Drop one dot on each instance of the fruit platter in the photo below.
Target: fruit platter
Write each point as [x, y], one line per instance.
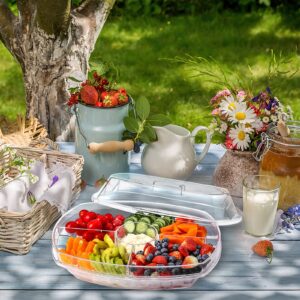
[137, 251]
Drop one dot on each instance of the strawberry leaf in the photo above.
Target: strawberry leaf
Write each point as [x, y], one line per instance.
[142, 107]
[131, 124]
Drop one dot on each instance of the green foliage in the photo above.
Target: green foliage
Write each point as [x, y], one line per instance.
[139, 125]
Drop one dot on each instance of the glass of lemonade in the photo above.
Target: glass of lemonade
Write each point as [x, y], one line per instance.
[260, 201]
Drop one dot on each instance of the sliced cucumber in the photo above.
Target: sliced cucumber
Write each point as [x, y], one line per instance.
[152, 217]
[145, 219]
[141, 227]
[129, 226]
[168, 220]
[132, 218]
[156, 226]
[160, 222]
[151, 232]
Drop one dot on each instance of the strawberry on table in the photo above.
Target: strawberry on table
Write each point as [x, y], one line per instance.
[264, 248]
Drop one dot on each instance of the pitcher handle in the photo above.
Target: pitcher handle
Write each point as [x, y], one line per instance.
[208, 141]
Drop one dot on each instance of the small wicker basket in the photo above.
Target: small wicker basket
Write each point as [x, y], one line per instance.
[19, 231]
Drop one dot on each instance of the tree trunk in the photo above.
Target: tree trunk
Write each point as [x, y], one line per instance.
[52, 42]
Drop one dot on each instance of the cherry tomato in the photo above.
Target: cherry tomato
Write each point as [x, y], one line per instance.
[112, 235]
[99, 235]
[82, 213]
[120, 217]
[94, 224]
[71, 227]
[109, 226]
[117, 222]
[102, 219]
[109, 217]
[89, 217]
[80, 223]
[88, 235]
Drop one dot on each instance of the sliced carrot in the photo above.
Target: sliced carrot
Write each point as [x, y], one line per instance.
[70, 243]
[76, 244]
[199, 240]
[167, 228]
[89, 248]
[82, 246]
[185, 227]
[192, 231]
[202, 232]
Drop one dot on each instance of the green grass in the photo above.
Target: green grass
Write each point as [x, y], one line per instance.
[137, 45]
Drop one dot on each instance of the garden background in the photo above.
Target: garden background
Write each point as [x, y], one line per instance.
[141, 36]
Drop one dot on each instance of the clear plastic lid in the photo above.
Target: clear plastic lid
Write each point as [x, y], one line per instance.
[142, 193]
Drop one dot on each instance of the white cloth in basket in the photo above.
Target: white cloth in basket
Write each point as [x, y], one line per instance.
[14, 195]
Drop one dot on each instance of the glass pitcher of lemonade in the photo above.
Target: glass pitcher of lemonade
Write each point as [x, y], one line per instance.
[280, 157]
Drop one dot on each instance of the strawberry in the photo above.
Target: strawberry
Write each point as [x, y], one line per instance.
[89, 95]
[206, 249]
[190, 244]
[176, 254]
[152, 265]
[110, 100]
[170, 246]
[99, 104]
[122, 91]
[121, 98]
[183, 250]
[149, 249]
[189, 262]
[137, 271]
[165, 273]
[141, 258]
[160, 259]
[264, 248]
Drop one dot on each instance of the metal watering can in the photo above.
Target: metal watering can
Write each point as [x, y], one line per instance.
[98, 138]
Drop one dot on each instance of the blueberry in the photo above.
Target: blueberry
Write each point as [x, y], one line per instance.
[157, 243]
[196, 252]
[160, 268]
[186, 271]
[172, 259]
[165, 254]
[176, 271]
[198, 247]
[164, 250]
[158, 247]
[139, 143]
[136, 148]
[179, 262]
[199, 258]
[133, 269]
[197, 269]
[140, 252]
[171, 264]
[205, 257]
[165, 240]
[156, 253]
[148, 272]
[149, 257]
[164, 245]
[175, 247]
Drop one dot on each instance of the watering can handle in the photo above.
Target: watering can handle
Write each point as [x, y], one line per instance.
[208, 141]
[111, 146]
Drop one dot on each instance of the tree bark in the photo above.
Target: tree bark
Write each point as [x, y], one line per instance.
[52, 42]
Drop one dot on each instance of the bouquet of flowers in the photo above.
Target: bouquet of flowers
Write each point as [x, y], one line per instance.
[239, 119]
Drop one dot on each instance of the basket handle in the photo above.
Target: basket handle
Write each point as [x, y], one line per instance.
[111, 146]
[46, 141]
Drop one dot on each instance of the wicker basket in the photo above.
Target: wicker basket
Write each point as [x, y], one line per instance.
[25, 133]
[19, 231]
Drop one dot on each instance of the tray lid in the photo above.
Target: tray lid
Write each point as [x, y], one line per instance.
[143, 193]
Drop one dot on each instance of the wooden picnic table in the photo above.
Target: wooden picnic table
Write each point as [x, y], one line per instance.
[239, 274]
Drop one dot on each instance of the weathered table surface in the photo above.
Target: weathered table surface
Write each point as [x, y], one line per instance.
[239, 274]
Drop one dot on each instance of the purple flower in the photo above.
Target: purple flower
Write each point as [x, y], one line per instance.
[268, 90]
[54, 180]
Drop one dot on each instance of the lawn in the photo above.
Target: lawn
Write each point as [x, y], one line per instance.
[138, 45]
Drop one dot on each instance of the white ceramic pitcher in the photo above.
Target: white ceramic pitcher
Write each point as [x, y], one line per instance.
[173, 154]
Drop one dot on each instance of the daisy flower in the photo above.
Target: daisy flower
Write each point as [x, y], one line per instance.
[266, 119]
[240, 137]
[242, 114]
[273, 118]
[228, 105]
